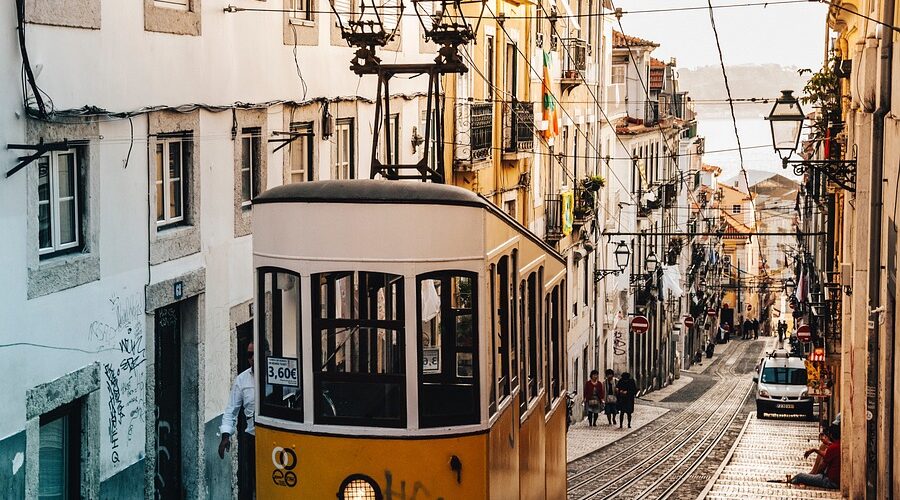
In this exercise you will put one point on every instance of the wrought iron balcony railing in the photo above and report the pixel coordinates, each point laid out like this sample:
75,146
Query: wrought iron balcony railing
518,127
553,218
474,133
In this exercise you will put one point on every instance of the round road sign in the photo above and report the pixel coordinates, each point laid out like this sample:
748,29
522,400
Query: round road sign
711,312
688,321
640,324
803,333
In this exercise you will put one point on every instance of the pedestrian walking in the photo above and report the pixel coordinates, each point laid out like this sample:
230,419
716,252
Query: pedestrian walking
626,390
747,327
755,328
243,395
611,406
593,397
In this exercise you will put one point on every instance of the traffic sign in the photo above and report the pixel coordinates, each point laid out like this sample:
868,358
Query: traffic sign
803,333
688,321
640,324
711,312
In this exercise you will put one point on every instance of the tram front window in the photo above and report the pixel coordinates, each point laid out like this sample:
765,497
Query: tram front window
448,340
358,362
279,326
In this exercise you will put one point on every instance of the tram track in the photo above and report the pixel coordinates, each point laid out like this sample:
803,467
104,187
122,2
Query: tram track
657,467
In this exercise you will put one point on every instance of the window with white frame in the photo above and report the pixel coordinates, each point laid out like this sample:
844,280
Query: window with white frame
173,161
174,4
250,159
300,9
394,132
301,149
618,74
342,161
346,10
59,199
735,209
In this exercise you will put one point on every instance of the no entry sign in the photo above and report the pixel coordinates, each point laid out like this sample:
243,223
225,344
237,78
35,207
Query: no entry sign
803,333
689,321
711,312
640,324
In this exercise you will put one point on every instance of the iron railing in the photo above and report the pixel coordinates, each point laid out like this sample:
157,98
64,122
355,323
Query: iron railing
474,132
553,218
518,127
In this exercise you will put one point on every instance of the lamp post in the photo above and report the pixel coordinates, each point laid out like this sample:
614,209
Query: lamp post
786,121
789,286
622,255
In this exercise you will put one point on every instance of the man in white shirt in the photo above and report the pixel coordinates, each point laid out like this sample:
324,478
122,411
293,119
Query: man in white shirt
243,393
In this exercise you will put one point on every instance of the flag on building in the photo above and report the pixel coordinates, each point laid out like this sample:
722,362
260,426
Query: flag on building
549,106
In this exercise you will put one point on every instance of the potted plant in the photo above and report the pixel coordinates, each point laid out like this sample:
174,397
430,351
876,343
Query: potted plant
593,183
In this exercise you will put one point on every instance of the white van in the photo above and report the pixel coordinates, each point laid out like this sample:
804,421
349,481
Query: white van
781,386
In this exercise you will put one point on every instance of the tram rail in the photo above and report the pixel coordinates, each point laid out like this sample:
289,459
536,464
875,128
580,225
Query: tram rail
695,433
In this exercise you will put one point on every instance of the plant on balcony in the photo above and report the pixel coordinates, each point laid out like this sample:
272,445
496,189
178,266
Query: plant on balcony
823,91
593,183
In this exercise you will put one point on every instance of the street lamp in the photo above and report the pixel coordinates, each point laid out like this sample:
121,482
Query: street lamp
622,255
786,121
651,263
789,286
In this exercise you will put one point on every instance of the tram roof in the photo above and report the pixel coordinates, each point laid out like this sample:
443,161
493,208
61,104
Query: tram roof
371,191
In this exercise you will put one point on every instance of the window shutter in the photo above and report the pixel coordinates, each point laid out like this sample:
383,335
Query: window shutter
343,8
390,15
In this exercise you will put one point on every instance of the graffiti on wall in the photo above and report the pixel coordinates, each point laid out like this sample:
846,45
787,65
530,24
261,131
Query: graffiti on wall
121,333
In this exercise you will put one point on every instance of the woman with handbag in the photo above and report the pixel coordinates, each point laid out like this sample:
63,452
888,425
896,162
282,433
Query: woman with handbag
593,397
609,387
626,390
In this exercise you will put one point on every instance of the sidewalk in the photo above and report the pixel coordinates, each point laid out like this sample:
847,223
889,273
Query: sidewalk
767,449
583,439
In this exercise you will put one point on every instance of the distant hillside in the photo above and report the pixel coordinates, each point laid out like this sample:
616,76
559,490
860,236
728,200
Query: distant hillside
746,81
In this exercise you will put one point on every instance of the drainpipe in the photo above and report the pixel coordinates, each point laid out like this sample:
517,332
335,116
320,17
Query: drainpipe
875,224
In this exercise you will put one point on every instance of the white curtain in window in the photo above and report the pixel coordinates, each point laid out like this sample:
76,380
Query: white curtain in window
431,301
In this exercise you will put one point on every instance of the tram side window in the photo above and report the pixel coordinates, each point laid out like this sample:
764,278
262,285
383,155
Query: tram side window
533,337
279,326
492,340
448,349
556,344
358,367
500,304
523,348
514,323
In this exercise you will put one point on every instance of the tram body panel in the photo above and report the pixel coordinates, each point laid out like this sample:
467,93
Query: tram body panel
555,452
503,452
407,468
367,232
532,473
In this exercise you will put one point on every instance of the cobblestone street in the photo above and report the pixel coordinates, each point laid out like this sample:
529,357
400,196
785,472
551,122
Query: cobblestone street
677,454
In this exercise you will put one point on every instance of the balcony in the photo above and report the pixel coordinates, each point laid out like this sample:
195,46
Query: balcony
583,211
553,218
474,134
576,53
518,130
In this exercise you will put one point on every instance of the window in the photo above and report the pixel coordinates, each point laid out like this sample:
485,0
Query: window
393,133
514,323
618,74
301,150
250,159
173,159
489,66
557,347
343,158
174,4
735,209
279,327
346,11
586,282
512,70
500,309
523,347
300,9
448,349
784,376
532,319
358,342
509,207
59,203
493,343
59,456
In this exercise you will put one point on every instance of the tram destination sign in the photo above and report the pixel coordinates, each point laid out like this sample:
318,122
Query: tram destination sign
640,324
282,371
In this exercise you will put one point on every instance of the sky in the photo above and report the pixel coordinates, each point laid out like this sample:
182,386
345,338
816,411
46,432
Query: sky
787,34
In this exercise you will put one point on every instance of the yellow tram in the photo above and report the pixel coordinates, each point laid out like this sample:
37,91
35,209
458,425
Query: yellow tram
411,345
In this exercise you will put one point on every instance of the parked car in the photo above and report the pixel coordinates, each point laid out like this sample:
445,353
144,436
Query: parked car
781,386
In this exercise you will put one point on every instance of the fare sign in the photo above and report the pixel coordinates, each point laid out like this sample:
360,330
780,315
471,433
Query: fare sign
803,333
689,321
640,324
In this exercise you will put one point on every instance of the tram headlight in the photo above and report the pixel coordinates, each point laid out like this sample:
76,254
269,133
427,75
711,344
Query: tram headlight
359,487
